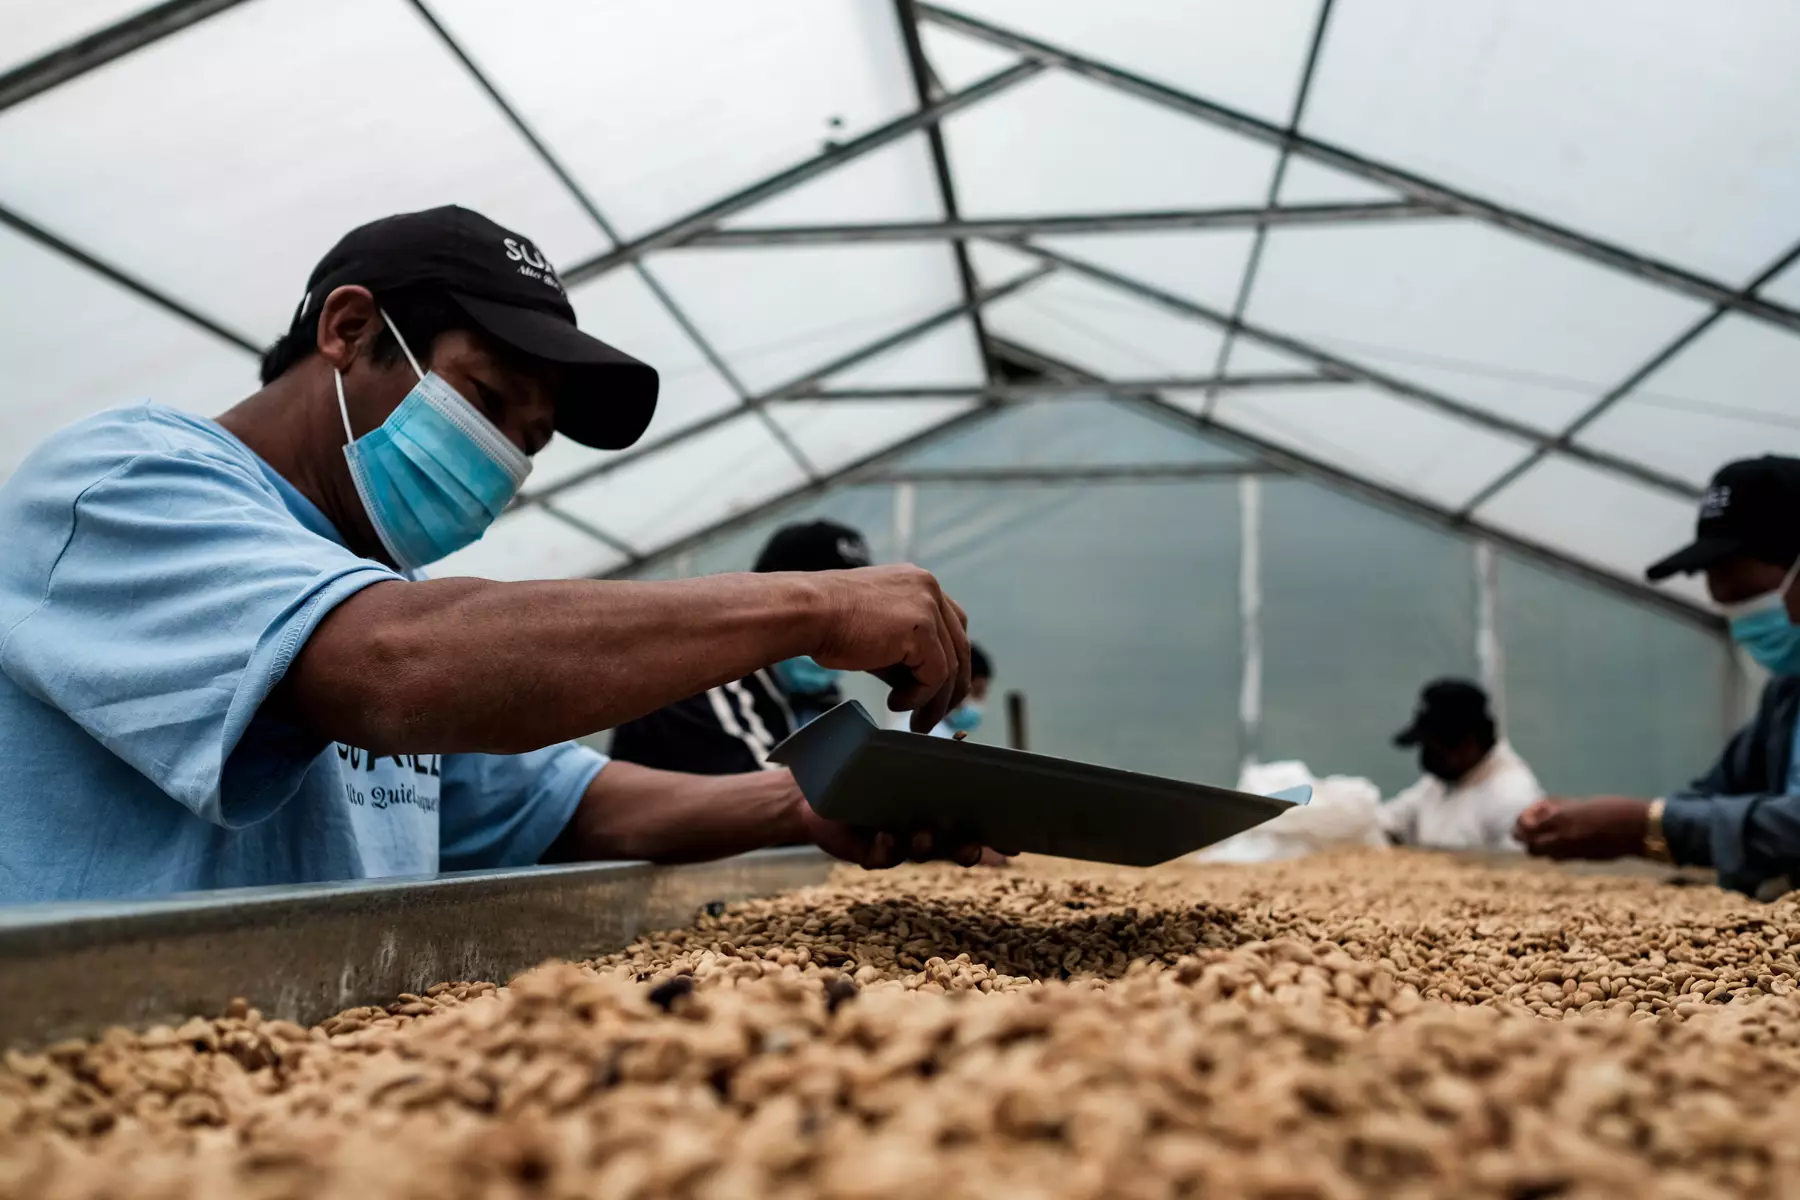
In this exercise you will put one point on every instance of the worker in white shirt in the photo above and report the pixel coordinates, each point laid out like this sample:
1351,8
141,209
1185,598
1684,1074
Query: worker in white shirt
1475,785
965,717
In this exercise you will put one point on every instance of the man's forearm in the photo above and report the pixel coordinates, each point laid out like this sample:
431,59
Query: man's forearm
639,813
459,665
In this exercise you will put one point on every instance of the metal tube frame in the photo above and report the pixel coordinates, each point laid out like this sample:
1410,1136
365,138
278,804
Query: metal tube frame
1051,388
843,363
115,41
707,217
1628,385
1339,365
1417,187
1425,197
587,204
131,283
1059,476
926,90
1213,429
1253,262
966,419
958,229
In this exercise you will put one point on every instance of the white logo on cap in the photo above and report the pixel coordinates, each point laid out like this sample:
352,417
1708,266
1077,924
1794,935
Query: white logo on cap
532,263
1715,502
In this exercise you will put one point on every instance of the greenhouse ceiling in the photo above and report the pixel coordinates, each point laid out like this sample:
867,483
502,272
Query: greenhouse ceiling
1527,270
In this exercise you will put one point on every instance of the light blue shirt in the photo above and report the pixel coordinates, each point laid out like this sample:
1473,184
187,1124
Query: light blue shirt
158,579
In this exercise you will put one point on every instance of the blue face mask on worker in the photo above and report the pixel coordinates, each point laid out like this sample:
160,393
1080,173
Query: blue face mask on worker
965,717
1762,627
435,474
804,677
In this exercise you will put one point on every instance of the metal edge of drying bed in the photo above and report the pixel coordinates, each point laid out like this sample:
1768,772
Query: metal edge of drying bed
302,953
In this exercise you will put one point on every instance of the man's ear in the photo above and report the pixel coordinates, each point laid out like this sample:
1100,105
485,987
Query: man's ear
348,323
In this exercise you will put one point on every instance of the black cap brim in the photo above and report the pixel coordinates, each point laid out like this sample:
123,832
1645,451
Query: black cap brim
1412,735
1697,556
609,396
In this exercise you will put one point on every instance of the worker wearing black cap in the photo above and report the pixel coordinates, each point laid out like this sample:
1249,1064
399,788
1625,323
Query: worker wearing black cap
730,729
1743,816
219,666
1475,785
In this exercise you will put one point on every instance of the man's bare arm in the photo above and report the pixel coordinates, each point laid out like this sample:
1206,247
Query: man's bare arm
638,812
461,665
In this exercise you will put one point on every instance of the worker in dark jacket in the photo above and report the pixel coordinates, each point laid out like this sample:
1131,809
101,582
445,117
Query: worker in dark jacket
730,729
1741,818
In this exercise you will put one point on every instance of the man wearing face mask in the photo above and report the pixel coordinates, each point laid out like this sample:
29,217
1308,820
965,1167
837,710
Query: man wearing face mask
1475,784
1742,817
219,665
730,729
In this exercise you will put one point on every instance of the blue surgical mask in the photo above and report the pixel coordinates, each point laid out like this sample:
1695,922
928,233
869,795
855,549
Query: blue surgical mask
804,677
435,474
965,717
1761,626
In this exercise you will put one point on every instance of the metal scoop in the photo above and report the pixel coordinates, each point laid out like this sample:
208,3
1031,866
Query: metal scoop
852,770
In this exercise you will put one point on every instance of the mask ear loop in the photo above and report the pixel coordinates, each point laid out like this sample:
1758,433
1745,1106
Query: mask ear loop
338,378
1787,581
404,348
343,409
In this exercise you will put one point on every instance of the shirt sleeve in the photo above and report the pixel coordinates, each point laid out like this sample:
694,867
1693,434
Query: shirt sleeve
1746,839
504,810
156,598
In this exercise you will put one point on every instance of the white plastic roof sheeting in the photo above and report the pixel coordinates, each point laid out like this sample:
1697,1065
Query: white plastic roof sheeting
1599,311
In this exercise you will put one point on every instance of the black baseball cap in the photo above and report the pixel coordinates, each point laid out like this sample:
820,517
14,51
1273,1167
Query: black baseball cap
815,546
1751,509
508,290
1448,709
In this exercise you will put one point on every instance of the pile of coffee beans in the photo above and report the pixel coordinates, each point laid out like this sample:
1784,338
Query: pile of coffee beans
1360,1024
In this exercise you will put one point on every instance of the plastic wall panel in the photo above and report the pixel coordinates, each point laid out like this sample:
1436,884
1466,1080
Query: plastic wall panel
1104,330
958,61
1730,394
73,343
775,313
1067,431
1058,143
666,496
659,108
1661,124
832,435
1246,53
1605,696
1476,313
221,163
1360,610
896,183
1596,517
1433,455
1113,607
1206,265
945,356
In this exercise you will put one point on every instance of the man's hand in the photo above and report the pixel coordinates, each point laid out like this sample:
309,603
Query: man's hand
878,851
882,617
1598,827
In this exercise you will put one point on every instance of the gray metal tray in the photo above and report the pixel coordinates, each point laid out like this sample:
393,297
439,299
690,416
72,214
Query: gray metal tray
853,771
